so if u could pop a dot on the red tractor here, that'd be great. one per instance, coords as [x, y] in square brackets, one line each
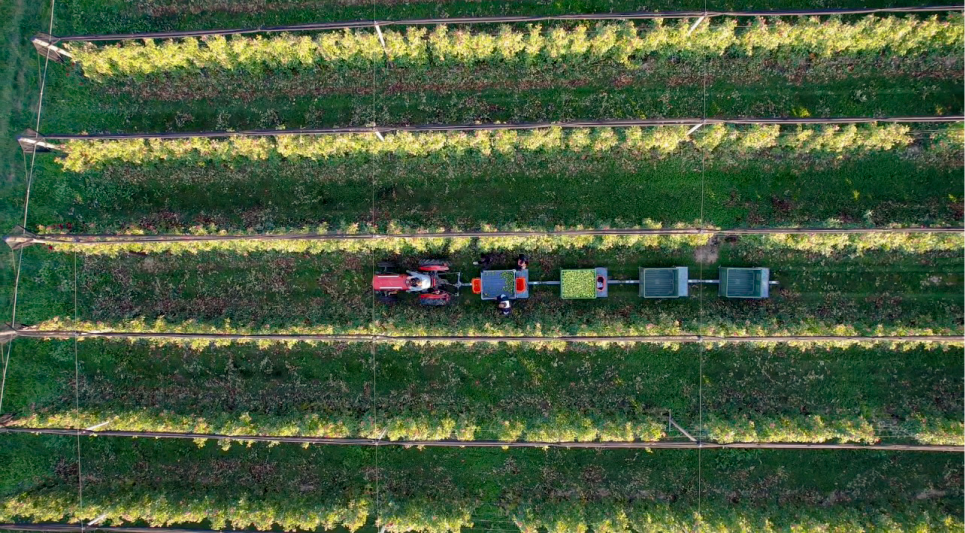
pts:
[427, 282]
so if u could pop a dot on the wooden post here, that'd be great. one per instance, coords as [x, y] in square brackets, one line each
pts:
[378, 31]
[7, 333]
[31, 141]
[95, 427]
[97, 520]
[682, 430]
[20, 239]
[44, 44]
[694, 27]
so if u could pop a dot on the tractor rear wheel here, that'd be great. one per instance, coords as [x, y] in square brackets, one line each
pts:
[435, 299]
[433, 265]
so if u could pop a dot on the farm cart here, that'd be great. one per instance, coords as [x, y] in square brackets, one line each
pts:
[427, 281]
[502, 286]
[584, 283]
[748, 283]
[671, 282]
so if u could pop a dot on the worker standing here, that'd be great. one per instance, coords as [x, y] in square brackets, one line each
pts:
[504, 304]
[485, 261]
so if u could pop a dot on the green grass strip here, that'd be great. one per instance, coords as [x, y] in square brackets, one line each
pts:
[615, 394]
[163, 483]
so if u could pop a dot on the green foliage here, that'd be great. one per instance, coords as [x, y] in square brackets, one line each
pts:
[385, 245]
[640, 517]
[825, 244]
[425, 516]
[855, 245]
[669, 326]
[159, 510]
[656, 142]
[173, 483]
[626, 43]
[578, 284]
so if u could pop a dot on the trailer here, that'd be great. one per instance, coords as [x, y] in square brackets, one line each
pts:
[584, 283]
[747, 283]
[493, 284]
[506, 285]
[672, 282]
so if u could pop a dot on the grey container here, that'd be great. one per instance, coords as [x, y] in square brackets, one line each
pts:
[668, 282]
[748, 283]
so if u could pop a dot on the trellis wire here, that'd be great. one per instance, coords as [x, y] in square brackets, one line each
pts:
[683, 444]
[462, 339]
[98, 239]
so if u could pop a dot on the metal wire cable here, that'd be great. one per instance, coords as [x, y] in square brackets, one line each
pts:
[462, 339]
[700, 303]
[26, 207]
[632, 445]
[372, 346]
[80, 471]
[638, 15]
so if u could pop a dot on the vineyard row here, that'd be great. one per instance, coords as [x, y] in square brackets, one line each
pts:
[658, 142]
[626, 43]
[823, 244]
[804, 335]
[553, 428]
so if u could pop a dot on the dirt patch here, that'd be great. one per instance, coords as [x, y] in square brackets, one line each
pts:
[708, 253]
[930, 493]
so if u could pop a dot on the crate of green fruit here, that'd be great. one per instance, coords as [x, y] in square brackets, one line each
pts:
[578, 284]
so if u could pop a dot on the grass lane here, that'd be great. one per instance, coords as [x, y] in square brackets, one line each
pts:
[330, 292]
[263, 486]
[916, 185]
[489, 392]
[508, 93]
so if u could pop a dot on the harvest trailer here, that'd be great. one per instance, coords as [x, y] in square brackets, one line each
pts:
[431, 286]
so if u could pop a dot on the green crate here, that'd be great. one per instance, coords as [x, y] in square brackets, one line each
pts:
[578, 284]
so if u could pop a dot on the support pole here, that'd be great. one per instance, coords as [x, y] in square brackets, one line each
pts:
[7, 334]
[378, 31]
[680, 429]
[694, 27]
[97, 520]
[20, 239]
[30, 141]
[695, 128]
[45, 46]
[95, 427]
